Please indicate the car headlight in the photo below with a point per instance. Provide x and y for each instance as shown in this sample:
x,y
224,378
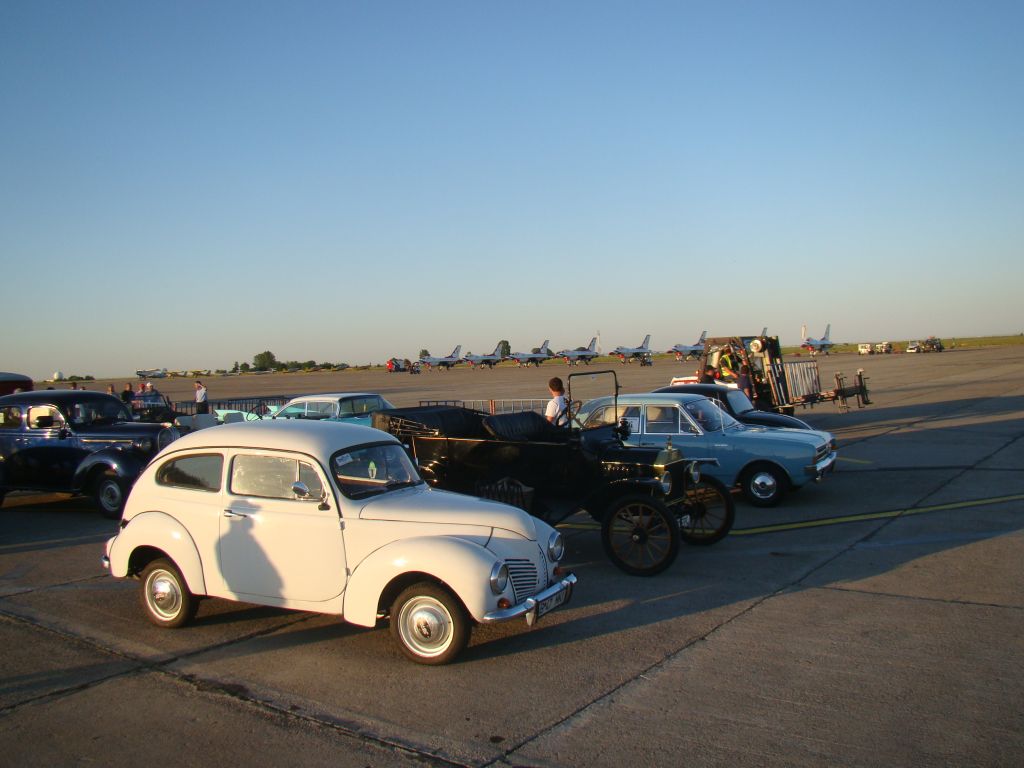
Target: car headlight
x,y
143,444
695,472
165,437
556,547
499,578
666,482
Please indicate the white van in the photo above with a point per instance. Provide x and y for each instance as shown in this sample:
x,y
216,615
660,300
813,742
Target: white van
x,y
865,349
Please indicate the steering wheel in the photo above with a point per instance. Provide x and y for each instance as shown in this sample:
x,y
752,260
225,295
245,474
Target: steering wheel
x,y
572,412
257,412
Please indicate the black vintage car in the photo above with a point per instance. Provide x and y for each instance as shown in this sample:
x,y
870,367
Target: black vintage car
x,y
646,499
75,441
738,405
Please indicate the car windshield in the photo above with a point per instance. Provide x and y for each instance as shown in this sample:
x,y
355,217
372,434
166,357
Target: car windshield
x,y
710,416
99,411
738,401
372,470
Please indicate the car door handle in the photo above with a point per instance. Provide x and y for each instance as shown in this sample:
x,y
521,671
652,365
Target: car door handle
x,y
232,513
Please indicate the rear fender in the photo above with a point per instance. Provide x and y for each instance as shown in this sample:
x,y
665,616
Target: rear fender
x,y
157,531
126,465
461,565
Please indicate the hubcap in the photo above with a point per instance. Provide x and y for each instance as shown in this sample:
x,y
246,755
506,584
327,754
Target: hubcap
x,y
164,595
425,626
763,485
110,495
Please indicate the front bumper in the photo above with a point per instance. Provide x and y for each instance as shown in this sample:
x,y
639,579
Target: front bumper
x,y
534,607
822,468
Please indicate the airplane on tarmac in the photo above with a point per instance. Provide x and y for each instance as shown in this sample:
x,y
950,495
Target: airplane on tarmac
x,y
686,351
641,353
443,362
577,356
531,358
152,373
824,344
490,360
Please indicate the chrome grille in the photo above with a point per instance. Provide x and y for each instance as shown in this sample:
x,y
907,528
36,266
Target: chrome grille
x,y
523,575
822,452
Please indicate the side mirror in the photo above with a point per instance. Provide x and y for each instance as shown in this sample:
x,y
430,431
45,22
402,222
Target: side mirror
x,y
301,490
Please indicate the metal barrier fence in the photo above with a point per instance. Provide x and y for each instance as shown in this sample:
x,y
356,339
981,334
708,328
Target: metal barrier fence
x,y
245,404
493,406
803,379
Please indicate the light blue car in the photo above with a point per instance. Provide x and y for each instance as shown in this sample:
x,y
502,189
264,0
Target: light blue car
x,y
765,462
350,407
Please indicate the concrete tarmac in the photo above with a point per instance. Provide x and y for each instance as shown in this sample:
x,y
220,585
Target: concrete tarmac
x,y
874,619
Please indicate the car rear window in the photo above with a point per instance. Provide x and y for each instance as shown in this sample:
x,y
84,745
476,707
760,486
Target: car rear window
x,y
201,473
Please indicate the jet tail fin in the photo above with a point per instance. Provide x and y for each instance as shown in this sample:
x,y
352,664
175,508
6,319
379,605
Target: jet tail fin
x,y
828,330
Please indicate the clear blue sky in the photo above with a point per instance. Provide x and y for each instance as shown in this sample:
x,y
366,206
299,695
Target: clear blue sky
x,y
187,184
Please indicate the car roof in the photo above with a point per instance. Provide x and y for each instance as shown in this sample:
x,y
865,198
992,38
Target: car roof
x,y
314,438
696,389
58,397
332,396
656,397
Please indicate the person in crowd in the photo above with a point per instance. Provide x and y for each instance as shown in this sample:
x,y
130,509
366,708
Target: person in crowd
x,y
708,377
127,395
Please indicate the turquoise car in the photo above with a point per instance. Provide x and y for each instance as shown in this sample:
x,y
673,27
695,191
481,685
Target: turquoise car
x,y
765,462
350,407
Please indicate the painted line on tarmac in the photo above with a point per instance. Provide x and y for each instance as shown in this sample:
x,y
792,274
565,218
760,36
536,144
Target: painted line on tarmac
x,y
853,461
824,521
876,515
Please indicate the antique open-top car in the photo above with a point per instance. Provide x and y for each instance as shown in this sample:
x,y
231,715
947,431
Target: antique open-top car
x,y
332,518
646,499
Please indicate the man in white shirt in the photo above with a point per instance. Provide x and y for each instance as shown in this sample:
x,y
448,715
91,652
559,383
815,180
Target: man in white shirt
x,y
202,405
557,409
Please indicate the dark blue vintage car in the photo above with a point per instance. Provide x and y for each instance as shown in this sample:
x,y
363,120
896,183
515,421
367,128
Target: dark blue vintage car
x,y
75,441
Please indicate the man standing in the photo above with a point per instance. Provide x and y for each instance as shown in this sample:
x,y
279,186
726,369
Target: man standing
x,y
202,405
127,394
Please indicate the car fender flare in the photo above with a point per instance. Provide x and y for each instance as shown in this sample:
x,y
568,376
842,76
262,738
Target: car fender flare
x,y
459,564
158,531
127,466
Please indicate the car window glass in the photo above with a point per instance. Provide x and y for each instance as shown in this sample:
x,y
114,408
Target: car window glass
x,y
311,478
10,417
739,402
268,477
296,411
606,415
201,473
345,408
319,409
44,417
365,471
709,416
662,420
100,410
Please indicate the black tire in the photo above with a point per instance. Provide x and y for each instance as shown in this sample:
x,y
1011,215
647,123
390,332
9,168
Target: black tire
x,y
640,535
165,596
764,485
429,624
110,493
710,511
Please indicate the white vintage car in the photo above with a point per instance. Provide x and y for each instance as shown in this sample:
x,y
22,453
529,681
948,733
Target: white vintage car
x,y
332,518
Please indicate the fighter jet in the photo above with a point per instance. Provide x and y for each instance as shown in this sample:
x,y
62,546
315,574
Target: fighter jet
x,y
629,354
577,356
152,373
531,358
824,344
489,361
686,351
443,362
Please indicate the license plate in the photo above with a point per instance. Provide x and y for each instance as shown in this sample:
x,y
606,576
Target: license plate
x,y
684,521
547,605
